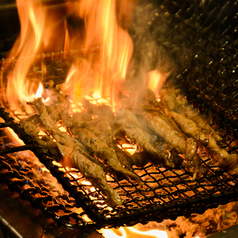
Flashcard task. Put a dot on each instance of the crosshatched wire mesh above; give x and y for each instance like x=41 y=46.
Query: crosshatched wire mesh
x=23 y=173
x=200 y=38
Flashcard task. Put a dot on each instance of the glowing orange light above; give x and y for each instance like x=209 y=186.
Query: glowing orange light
x=107 y=48
x=98 y=72
x=155 y=80
x=66 y=40
x=131 y=232
x=14 y=137
x=32 y=18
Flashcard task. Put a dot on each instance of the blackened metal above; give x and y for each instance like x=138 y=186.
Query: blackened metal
x=84 y=202
x=166 y=194
x=3 y=125
x=15 y=149
x=19 y=219
x=60 y=208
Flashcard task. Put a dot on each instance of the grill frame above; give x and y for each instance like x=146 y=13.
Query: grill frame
x=120 y=215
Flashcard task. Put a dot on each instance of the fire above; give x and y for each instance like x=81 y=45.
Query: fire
x=107 y=49
x=35 y=37
x=32 y=19
x=132 y=232
x=102 y=68
x=156 y=80
x=99 y=72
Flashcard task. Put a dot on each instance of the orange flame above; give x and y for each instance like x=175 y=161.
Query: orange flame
x=35 y=36
x=32 y=19
x=107 y=48
x=66 y=39
x=106 y=55
x=132 y=232
x=155 y=81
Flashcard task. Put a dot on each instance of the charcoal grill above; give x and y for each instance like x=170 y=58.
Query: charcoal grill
x=200 y=38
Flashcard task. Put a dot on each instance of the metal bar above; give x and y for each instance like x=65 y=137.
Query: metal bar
x=5 y=124
x=20 y=219
x=16 y=149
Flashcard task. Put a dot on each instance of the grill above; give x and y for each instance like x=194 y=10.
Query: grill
x=200 y=39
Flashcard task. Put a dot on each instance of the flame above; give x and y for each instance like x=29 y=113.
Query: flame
x=98 y=73
x=35 y=36
x=107 y=49
x=102 y=68
x=32 y=19
x=132 y=232
x=155 y=81
x=66 y=40
x=13 y=137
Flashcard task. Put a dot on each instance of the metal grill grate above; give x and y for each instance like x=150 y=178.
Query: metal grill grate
x=208 y=74
x=166 y=193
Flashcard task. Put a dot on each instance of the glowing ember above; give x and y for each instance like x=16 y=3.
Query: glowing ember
x=132 y=232
x=14 y=137
x=131 y=149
